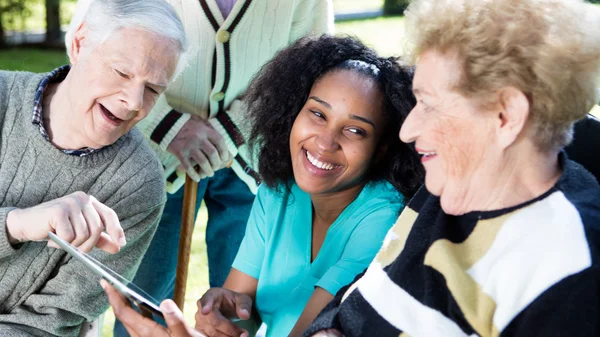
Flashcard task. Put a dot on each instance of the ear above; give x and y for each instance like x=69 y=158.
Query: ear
x=514 y=112
x=80 y=40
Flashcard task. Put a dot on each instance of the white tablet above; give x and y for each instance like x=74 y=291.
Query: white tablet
x=145 y=305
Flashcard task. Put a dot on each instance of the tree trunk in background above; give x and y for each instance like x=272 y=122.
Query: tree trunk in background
x=2 y=42
x=394 y=7
x=53 y=33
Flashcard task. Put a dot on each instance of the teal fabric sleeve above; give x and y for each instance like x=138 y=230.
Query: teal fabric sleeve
x=251 y=254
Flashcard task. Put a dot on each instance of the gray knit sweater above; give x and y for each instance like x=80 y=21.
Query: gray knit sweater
x=43 y=292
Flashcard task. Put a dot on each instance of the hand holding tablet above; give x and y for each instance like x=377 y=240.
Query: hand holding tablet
x=137 y=325
x=146 y=306
x=120 y=295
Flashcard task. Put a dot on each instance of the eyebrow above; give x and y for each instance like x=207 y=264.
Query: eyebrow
x=159 y=86
x=417 y=91
x=327 y=105
x=359 y=118
x=362 y=119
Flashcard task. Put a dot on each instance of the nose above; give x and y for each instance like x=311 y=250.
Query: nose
x=134 y=96
x=410 y=130
x=327 y=141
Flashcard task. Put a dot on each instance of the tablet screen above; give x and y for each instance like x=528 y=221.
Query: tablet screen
x=143 y=301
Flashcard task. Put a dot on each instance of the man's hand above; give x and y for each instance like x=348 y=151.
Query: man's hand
x=217 y=307
x=77 y=218
x=200 y=149
x=138 y=326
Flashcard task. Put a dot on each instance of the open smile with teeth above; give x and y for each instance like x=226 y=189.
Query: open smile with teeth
x=427 y=154
x=320 y=164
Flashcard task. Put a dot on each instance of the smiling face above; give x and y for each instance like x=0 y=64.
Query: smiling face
x=334 y=138
x=454 y=134
x=114 y=85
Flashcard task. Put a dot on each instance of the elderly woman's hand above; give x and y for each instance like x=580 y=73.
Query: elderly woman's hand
x=77 y=218
x=137 y=325
x=217 y=307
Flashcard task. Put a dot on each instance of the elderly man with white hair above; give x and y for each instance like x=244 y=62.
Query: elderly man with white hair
x=72 y=163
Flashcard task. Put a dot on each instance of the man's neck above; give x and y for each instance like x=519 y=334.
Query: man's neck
x=56 y=109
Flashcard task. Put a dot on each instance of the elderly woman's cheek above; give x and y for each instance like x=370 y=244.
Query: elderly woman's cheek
x=457 y=147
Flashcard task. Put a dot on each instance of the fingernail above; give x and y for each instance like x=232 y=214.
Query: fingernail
x=103 y=284
x=122 y=241
x=169 y=308
x=244 y=311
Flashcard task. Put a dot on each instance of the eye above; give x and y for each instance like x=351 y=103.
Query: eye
x=426 y=107
x=122 y=74
x=318 y=114
x=155 y=92
x=356 y=132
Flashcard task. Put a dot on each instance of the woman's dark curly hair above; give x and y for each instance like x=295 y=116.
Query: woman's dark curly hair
x=281 y=88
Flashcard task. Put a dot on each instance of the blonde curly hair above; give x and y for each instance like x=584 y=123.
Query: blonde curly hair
x=548 y=49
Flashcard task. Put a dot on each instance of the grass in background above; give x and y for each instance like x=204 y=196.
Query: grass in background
x=34 y=60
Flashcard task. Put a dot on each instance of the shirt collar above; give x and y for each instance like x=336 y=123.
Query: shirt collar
x=55 y=76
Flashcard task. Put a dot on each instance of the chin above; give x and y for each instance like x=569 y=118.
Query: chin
x=433 y=187
x=308 y=187
x=108 y=139
x=452 y=207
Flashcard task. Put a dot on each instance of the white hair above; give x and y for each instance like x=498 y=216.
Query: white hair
x=104 y=17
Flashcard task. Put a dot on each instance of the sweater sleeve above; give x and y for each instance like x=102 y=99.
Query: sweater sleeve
x=569 y=308
x=328 y=317
x=231 y=126
x=163 y=123
x=72 y=293
x=6 y=249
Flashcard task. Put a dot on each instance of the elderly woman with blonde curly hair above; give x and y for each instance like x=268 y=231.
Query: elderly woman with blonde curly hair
x=503 y=240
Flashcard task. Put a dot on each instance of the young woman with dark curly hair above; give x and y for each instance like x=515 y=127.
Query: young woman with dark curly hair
x=325 y=117
x=326 y=113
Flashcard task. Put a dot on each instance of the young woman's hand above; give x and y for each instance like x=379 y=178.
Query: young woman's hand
x=139 y=326
x=216 y=309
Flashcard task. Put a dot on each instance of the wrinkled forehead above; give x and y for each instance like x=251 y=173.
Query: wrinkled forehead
x=142 y=52
x=436 y=71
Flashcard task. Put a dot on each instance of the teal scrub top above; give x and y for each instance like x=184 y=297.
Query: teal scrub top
x=276 y=248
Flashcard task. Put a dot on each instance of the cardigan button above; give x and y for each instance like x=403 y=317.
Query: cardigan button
x=223 y=36
x=218 y=96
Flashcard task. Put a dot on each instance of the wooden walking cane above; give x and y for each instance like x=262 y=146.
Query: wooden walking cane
x=188 y=217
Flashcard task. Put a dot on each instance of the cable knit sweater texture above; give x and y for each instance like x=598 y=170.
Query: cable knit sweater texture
x=43 y=292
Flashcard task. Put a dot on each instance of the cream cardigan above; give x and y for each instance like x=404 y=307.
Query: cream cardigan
x=225 y=54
